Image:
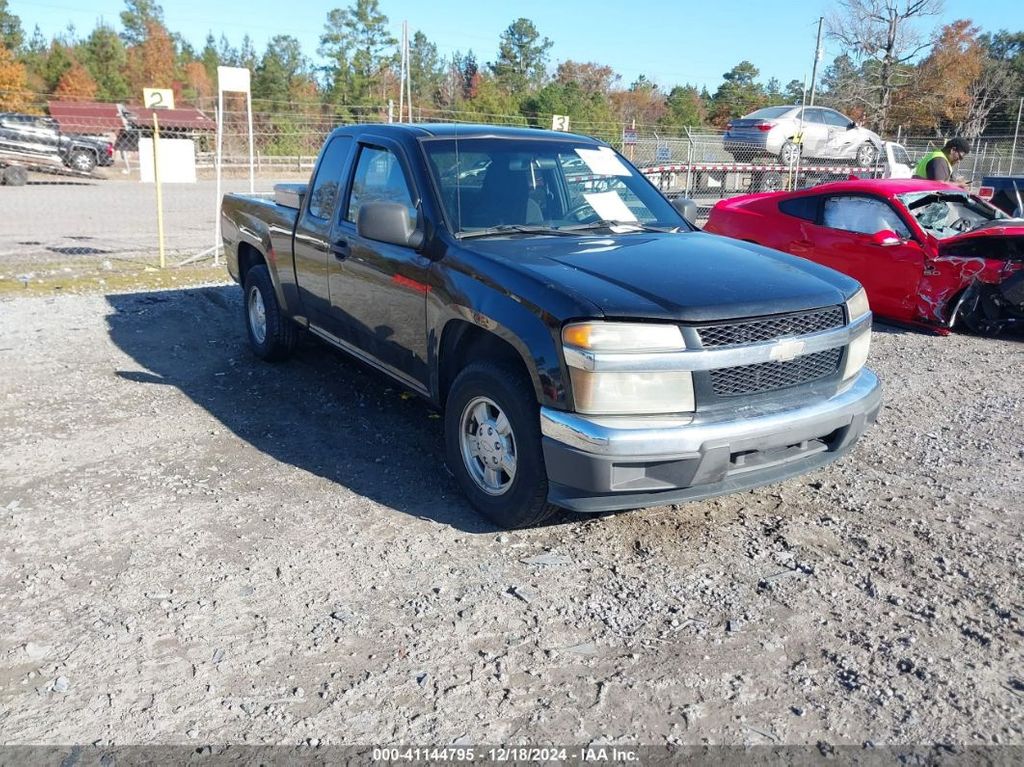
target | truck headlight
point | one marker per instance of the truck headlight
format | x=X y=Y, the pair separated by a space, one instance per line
x=857 y=352
x=625 y=391
x=857 y=305
x=623 y=337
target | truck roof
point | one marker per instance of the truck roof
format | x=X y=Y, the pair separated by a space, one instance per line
x=458 y=130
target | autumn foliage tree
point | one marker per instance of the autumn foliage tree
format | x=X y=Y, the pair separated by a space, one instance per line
x=76 y=84
x=151 y=63
x=13 y=93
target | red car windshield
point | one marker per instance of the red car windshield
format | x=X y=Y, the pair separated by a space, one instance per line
x=947 y=214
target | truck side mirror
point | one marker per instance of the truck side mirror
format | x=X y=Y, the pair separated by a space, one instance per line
x=388 y=222
x=851 y=125
x=687 y=208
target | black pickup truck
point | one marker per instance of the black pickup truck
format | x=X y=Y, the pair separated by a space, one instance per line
x=588 y=347
x=35 y=140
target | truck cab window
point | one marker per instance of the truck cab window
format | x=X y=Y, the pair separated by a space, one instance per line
x=323 y=196
x=379 y=178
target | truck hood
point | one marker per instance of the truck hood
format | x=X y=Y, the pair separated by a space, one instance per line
x=688 y=277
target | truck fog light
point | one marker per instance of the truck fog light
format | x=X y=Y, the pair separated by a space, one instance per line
x=857 y=354
x=620 y=393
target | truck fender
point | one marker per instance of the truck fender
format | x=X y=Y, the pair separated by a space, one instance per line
x=522 y=329
x=249 y=230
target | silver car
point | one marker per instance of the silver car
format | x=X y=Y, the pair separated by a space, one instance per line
x=827 y=135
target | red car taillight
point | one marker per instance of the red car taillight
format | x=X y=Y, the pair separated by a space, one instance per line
x=110 y=150
x=986 y=192
x=765 y=127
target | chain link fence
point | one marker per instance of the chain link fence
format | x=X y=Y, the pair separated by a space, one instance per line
x=104 y=207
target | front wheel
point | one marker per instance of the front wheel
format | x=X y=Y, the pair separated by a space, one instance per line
x=493 y=445
x=272 y=335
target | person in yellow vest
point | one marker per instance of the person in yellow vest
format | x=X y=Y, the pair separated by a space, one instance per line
x=938 y=165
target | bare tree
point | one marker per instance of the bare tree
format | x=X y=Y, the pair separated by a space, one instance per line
x=995 y=85
x=881 y=36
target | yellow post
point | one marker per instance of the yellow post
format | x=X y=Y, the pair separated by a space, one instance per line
x=159 y=191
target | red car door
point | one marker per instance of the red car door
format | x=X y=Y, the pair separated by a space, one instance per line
x=864 y=237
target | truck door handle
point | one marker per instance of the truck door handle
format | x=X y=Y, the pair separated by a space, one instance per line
x=340 y=250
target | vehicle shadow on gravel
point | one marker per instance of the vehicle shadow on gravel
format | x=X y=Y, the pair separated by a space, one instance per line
x=321 y=411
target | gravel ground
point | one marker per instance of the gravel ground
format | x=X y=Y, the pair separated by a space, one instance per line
x=196 y=547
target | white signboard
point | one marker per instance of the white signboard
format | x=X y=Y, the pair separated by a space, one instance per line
x=234 y=79
x=560 y=122
x=158 y=98
x=177 y=161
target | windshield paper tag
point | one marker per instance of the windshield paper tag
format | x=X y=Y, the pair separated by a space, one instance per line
x=609 y=206
x=603 y=162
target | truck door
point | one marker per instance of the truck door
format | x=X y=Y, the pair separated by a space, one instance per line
x=378 y=290
x=312 y=244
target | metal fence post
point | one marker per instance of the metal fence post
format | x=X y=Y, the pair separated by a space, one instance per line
x=1016 y=132
x=689 y=161
x=974 y=170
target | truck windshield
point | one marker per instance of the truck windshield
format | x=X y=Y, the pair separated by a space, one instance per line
x=503 y=186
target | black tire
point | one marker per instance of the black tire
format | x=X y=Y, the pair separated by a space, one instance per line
x=769 y=181
x=279 y=334
x=524 y=502
x=82 y=160
x=15 y=175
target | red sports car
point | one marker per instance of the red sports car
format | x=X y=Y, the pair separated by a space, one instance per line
x=928 y=253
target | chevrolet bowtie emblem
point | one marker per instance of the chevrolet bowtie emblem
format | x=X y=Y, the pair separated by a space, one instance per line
x=784 y=351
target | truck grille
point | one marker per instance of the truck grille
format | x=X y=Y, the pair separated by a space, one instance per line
x=768 y=376
x=770 y=328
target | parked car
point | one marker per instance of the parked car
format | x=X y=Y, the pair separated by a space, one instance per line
x=33 y=136
x=776 y=132
x=590 y=350
x=915 y=245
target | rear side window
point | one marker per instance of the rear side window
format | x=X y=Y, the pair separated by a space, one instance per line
x=800 y=207
x=323 y=197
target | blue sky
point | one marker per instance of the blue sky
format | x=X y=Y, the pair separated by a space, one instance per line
x=672 y=42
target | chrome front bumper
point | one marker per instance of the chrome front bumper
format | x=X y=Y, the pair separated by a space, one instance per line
x=604 y=463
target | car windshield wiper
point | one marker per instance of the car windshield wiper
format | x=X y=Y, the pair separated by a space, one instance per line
x=495 y=231
x=606 y=223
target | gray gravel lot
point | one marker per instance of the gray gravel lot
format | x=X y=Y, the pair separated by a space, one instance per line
x=196 y=547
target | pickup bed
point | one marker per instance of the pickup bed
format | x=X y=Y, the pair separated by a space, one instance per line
x=588 y=347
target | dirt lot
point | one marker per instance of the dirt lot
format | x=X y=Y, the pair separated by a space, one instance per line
x=196 y=547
